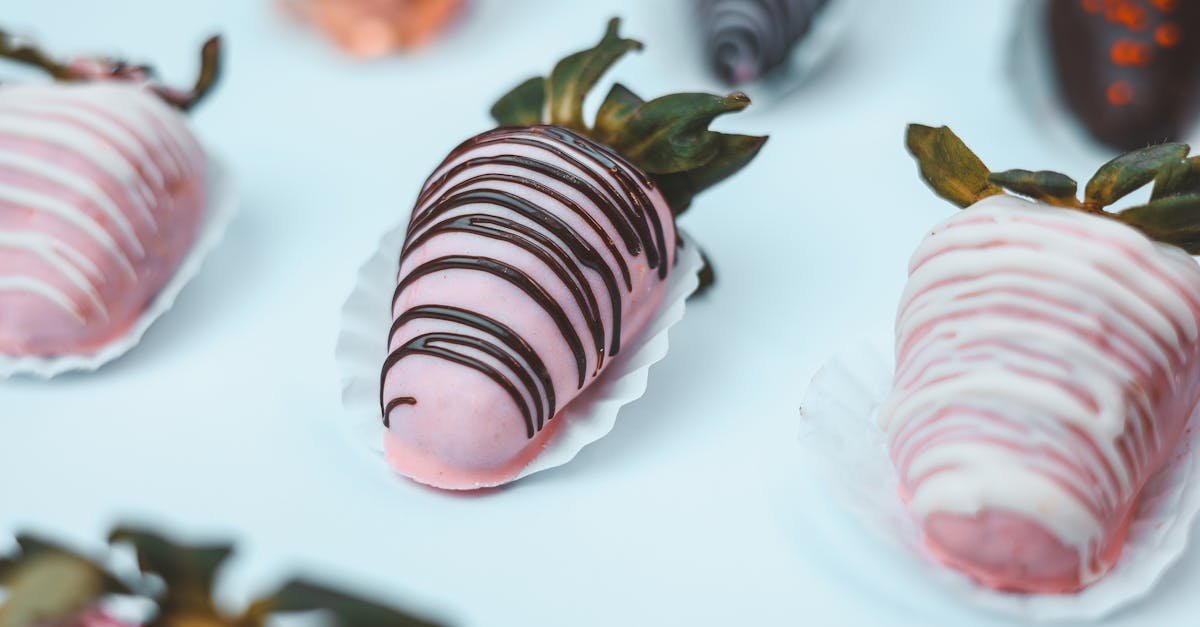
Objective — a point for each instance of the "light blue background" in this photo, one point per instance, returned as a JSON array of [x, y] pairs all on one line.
[[225, 420]]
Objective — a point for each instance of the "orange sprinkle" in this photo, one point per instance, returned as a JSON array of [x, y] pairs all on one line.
[[1132, 15], [1120, 93], [1166, 6], [1131, 52], [1168, 35], [1092, 6]]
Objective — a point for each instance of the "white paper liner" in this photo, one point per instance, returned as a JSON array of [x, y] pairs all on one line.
[[362, 349], [222, 207], [1031, 71], [846, 449]]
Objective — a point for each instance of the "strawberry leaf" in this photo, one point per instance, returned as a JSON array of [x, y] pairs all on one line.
[[948, 166], [348, 610], [670, 134], [1126, 173], [574, 76], [48, 583], [1174, 220], [188, 571], [616, 108], [732, 153], [523, 106], [1049, 187], [1178, 178]]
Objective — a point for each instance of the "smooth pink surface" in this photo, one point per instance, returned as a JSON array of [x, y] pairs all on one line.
[[465, 431], [124, 146]]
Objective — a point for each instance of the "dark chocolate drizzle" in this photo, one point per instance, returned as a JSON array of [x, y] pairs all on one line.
[[748, 38], [475, 206]]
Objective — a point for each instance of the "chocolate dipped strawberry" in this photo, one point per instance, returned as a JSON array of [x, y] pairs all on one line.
[[534, 253], [102, 191], [1047, 361], [1127, 68], [746, 39]]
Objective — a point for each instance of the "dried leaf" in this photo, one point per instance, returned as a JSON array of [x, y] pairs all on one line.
[[349, 610], [1174, 220], [1126, 173], [1178, 178], [948, 166], [1049, 187], [48, 583]]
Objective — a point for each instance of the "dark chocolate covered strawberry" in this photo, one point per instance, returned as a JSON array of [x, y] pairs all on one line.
[[1127, 68]]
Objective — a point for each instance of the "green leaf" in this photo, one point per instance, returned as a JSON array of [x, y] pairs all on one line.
[[188, 571], [1174, 220], [574, 77], [670, 134], [614, 111], [1049, 187], [523, 106], [1127, 172], [948, 166], [1178, 178], [48, 583], [349, 610], [732, 153]]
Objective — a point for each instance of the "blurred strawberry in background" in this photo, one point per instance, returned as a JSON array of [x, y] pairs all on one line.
[[373, 28]]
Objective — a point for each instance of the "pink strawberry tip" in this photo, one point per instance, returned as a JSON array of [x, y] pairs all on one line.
[[89, 69], [1172, 216], [667, 137]]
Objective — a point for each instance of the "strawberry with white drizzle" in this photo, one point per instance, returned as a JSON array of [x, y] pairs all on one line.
[[1047, 361], [535, 252], [102, 192]]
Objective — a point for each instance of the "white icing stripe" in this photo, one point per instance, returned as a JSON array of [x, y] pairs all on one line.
[[51, 251], [78, 184], [22, 198], [1027, 330], [157, 127], [41, 288], [99, 125], [85, 144]]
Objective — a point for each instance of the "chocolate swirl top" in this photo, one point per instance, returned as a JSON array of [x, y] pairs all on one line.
[[748, 38], [1127, 68]]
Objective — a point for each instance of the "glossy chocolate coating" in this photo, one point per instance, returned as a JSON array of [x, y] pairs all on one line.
[[1127, 69], [748, 38]]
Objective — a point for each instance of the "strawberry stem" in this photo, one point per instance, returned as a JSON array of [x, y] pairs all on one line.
[[85, 70], [1172, 216], [667, 137]]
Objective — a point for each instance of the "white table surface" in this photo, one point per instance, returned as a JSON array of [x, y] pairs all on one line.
[[225, 420]]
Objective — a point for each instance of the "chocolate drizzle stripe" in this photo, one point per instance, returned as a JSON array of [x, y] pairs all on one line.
[[582, 251], [525, 238], [619, 168], [393, 404], [516, 277], [624, 229], [424, 345], [630, 201], [471, 197], [494, 328]]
